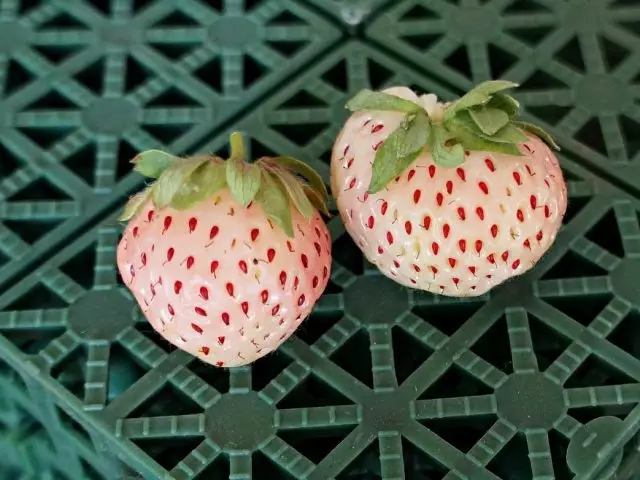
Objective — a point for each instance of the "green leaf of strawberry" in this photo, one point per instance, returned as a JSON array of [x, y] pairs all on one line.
[[152, 163], [207, 179], [445, 150], [470, 141], [370, 100], [538, 131], [399, 150], [482, 94], [134, 204], [506, 103], [507, 134], [295, 193], [489, 120], [172, 180], [305, 171], [273, 200], [243, 180], [316, 200]]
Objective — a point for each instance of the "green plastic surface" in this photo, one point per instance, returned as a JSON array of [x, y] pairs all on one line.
[[538, 380]]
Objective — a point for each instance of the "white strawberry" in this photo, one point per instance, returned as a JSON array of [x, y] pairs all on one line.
[[452, 198], [226, 258]]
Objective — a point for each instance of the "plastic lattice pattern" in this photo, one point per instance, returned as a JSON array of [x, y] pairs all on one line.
[[539, 380]]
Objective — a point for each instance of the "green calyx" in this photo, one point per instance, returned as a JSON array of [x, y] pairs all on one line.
[[276, 184], [485, 119]]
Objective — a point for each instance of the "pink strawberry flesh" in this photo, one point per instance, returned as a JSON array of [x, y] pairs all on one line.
[[453, 231]]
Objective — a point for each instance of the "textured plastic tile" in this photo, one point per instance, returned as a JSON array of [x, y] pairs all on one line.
[[87, 84], [575, 59], [539, 380], [31, 450]]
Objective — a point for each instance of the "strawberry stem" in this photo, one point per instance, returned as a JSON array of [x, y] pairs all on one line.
[[237, 146]]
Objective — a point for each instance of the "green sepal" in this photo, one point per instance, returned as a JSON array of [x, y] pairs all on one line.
[[399, 150], [539, 132], [295, 192], [506, 103], [473, 142], [134, 204], [243, 180], [507, 134], [305, 171], [207, 179], [316, 200], [481, 94], [173, 179], [370, 100], [445, 150], [152, 163], [274, 202], [488, 119]]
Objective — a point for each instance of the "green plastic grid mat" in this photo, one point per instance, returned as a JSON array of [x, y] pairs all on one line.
[[31, 451], [539, 380]]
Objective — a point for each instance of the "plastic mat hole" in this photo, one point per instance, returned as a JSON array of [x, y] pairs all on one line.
[[39, 190], [82, 163], [267, 368], [218, 378], [285, 19], [313, 392], [418, 12], [591, 135], [301, 134], [541, 80], [211, 74], [166, 402], [39, 297], [552, 114], [463, 433], [126, 152], [258, 149], [418, 465], [347, 254], [253, 71], [630, 129], [62, 21], [574, 265], [606, 233], [422, 41], [365, 466], [525, 6], [587, 414], [173, 97], [219, 468], [571, 55], [574, 207], [500, 61], [531, 35], [90, 473], [559, 445], [135, 74], [459, 61], [613, 52], [71, 371], [627, 333], [316, 443], [92, 77], [72, 425], [379, 75], [32, 230], [288, 49], [303, 99], [512, 462], [46, 137], [408, 353], [170, 451], [32, 341], [16, 77], [494, 346], [81, 267], [456, 382], [447, 317], [596, 372], [338, 76], [52, 100], [583, 309], [167, 134], [318, 323], [354, 356], [148, 331], [173, 51], [124, 370], [175, 19], [548, 344]]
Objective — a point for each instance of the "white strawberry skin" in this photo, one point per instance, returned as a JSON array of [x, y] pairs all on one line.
[[452, 231], [189, 299]]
